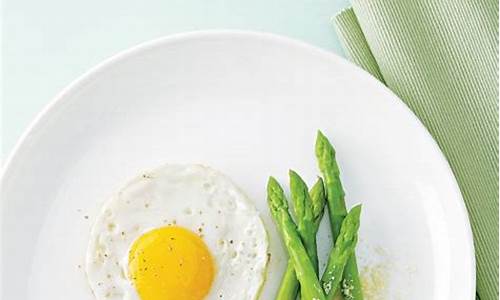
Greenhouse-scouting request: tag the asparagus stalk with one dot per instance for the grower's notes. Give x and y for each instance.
(342, 251)
(302, 205)
(289, 285)
(310, 286)
(337, 211)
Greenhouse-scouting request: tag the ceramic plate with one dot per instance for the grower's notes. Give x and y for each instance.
(249, 105)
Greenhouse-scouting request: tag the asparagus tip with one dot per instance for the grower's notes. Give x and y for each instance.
(323, 145)
(353, 216)
(318, 199)
(296, 179)
(320, 134)
(275, 194)
(356, 210)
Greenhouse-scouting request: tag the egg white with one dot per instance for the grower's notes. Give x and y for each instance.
(194, 197)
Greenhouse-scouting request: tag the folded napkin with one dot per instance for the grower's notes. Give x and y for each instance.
(441, 59)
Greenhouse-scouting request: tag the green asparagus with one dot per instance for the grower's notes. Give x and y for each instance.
(310, 286)
(289, 285)
(337, 211)
(302, 205)
(342, 251)
(318, 200)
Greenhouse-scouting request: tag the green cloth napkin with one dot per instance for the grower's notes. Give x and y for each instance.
(441, 58)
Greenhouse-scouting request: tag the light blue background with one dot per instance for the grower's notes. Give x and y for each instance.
(47, 44)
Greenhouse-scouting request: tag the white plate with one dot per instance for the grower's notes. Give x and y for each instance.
(248, 104)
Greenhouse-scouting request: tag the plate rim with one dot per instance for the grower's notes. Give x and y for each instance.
(80, 81)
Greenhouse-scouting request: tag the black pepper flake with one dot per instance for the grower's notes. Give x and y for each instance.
(231, 241)
(86, 217)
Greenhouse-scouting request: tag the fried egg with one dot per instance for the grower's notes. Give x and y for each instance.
(177, 232)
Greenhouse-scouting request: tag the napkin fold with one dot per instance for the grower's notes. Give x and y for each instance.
(441, 59)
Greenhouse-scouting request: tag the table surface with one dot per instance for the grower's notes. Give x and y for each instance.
(48, 44)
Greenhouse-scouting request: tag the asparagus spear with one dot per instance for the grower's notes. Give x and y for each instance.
(343, 250)
(304, 269)
(337, 211)
(289, 285)
(302, 205)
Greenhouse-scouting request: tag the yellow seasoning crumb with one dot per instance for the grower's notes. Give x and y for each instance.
(374, 282)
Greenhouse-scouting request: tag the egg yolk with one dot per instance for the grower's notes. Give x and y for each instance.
(170, 263)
